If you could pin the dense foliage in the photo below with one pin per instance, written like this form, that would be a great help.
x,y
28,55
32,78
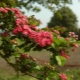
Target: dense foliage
x,y
19,35
28,4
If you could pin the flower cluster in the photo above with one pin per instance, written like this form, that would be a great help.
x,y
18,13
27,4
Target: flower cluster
x,y
57,32
72,34
43,38
22,25
74,45
63,53
4,10
63,76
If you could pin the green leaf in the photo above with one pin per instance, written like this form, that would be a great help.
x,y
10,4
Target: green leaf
x,y
38,67
1,41
47,79
57,41
19,41
53,60
16,54
60,41
61,60
53,45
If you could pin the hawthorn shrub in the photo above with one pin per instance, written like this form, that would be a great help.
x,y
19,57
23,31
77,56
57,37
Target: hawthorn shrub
x,y
19,35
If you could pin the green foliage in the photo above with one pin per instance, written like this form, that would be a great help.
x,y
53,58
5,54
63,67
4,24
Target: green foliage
x,y
61,60
73,73
34,21
28,4
19,36
7,3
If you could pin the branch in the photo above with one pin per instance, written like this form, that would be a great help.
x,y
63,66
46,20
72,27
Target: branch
x,y
32,76
28,1
11,64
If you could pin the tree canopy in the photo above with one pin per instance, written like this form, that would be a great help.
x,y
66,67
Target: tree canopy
x,y
28,4
64,17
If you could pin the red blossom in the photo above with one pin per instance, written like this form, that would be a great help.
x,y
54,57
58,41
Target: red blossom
x,y
43,38
3,10
25,32
58,36
16,11
57,32
63,76
24,56
75,45
68,39
63,53
17,30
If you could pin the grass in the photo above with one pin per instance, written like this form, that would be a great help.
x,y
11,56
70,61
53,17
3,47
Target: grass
x,y
73,73
7,76
16,78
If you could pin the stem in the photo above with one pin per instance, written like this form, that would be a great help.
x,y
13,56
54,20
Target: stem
x,y
32,76
17,71
11,64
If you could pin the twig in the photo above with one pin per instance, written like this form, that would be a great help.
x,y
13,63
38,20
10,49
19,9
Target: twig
x,y
11,64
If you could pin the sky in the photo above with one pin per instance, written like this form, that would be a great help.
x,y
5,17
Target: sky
x,y
45,15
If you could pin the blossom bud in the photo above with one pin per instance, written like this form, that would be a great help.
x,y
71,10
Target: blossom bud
x,y
75,45
68,39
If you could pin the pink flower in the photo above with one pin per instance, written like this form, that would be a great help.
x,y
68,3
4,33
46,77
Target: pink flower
x,y
32,34
43,42
63,53
16,11
69,34
68,39
17,30
75,45
25,32
49,41
72,33
57,32
3,10
18,21
63,76
23,56
37,38
25,27
43,38
22,16
76,36
7,9
58,36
